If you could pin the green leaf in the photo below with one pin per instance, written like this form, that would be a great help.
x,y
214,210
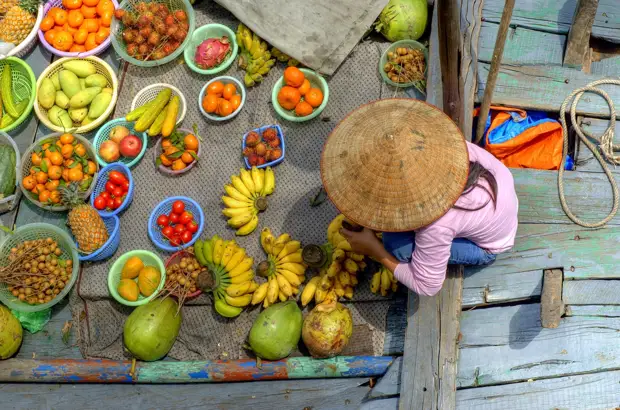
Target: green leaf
x,y
74,164
43,166
193,154
37,169
158,161
176,155
53,148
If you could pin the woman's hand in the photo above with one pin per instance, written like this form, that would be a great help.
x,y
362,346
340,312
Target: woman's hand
x,y
364,242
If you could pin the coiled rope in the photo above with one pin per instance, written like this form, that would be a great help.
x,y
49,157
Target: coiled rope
x,y
606,146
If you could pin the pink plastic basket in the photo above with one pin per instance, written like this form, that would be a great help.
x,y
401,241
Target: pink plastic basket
x,y
95,51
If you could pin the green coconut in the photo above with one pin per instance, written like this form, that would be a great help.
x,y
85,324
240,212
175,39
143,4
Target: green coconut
x,y
151,329
276,331
403,20
327,329
10,333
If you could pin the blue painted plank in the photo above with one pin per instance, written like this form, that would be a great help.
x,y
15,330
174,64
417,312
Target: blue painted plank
x,y
591,292
593,310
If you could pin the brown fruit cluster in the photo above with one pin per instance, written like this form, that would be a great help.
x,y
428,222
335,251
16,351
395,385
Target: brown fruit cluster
x,y
260,149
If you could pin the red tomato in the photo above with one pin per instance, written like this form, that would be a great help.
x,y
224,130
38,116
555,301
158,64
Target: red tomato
x,y
118,192
186,237
178,207
110,203
105,195
186,217
118,201
162,221
109,187
125,186
175,240
179,229
167,232
174,218
192,227
117,177
100,203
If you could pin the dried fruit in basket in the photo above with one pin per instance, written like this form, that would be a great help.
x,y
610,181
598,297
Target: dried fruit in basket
x,y
19,19
84,220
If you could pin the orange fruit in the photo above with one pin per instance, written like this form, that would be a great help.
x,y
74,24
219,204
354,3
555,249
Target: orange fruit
x,y
164,160
229,91
209,103
38,189
29,183
302,109
314,97
55,158
63,41
72,4
54,197
60,18
79,150
91,41
171,150
47,163
103,6
91,167
75,18
90,3
132,268
66,151
77,48
65,174
190,142
50,35
88,12
235,101
148,280
165,143
91,25
66,139
46,146
75,174
35,159
187,158
47,23
41,177
106,19
128,289
293,77
58,143
54,172
304,87
178,165
102,35
44,196
69,29
224,108
216,88
288,97
52,185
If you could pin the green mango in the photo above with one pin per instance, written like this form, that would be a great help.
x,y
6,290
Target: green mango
x,y
96,80
78,114
59,117
46,93
81,68
62,100
84,97
100,103
69,83
55,80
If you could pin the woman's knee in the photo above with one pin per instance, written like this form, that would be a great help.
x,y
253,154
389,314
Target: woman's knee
x,y
399,244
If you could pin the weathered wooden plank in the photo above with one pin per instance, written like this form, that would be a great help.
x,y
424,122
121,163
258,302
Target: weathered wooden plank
x,y
471,16
607,66
591,292
596,126
449,46
578,392
578,40
551,306
381,404
556,16
434,87
523,46
593,310
396,326
508,344
389,384
542,87
485,287
316,394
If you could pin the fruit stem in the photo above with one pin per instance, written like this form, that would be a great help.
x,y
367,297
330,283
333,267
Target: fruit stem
x,y
261,203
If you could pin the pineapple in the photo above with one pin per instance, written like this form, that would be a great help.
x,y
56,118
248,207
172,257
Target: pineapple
x,y
84,220
18,20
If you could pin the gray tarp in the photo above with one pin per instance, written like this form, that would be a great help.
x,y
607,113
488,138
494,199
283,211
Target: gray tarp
x,y
319,33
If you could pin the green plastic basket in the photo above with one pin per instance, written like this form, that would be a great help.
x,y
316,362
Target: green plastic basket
x,y
114,276
402,43
23,87
204,33
31,232
117,31
316,81
103,134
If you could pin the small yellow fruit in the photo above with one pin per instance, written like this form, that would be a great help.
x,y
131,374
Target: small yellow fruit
x,y
148,280
128,289
132,268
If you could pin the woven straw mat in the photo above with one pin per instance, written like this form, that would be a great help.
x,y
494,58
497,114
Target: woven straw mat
x,y
205,335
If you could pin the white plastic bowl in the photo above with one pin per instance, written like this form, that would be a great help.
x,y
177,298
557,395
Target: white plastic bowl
x,y
149,93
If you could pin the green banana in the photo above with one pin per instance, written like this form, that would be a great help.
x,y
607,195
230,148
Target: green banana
x,y
255,50
248,80
266,67
224,309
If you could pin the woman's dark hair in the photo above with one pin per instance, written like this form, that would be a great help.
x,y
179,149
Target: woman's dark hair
x,y
476,173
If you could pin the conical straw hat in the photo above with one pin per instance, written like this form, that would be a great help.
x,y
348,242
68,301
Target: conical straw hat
x,y
395,165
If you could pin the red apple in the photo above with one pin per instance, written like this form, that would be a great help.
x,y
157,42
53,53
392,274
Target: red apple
x,y
130,146
118,133
109,151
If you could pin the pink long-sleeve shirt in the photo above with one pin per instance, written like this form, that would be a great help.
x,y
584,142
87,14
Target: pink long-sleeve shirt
x,y
491,228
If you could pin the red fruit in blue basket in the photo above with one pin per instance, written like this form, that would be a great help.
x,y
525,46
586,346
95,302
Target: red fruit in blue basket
x,y
185,218
105,195
175,240
192,227
167,232
118,201
125,186
118,192
186,237
174,218
162,221
178,207
110,203
179,229
116,177
110,186
100,203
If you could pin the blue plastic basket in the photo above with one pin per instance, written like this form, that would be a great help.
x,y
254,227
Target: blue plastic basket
x,y
165,207
100,187
104,133
260,131
113,225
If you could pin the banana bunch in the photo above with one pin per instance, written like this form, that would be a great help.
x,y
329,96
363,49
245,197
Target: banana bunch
x,y
283,58
284,269
254,56
383,281
246,197
232,278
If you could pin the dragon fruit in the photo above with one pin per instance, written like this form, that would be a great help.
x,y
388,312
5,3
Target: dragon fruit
x,y
210,53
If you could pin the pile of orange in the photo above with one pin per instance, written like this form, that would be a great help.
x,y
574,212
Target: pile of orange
x,y
221,99
178,151
58,163
298,94
81,25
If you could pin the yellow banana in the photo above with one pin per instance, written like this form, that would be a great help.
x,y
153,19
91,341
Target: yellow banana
x,y
243,266
232,212
266,239
270,182
238,289
265,68
350,266
338,255
344,278
333,269
257,179
325,283
331,296
229,250
319,295
279,243
244,277
348,292
392,278
354,280
266,303
218,251
246,177
282,296
254,49
272,290
296,268
240,186
235,260
207,250
240,220
233,203
386,283
375,282
362,265
334,227
355,256
249,227
292,258
253,287
290,248
293,279
247,40
343,244
239,301
234,193
309,290
260,293
294,290
338,288
285,286
394,286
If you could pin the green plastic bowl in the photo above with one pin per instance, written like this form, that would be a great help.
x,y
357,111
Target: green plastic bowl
x,y
23,84
402,43
204,33
316,81
114,276
32,232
